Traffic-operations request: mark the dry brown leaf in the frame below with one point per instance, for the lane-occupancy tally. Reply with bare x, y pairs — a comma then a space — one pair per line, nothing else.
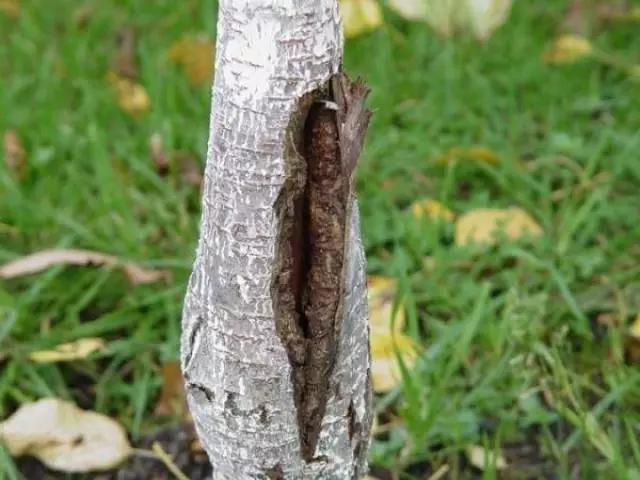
45, 259
13, 150
567, 49
385, 369
190, 169
124, 63
482, 458
483, 225
67, 352
172, 400
583, 17
381, 293
65, 437
195, 54
10, 8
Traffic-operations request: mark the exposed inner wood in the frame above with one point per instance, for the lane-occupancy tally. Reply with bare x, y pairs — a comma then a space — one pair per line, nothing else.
314, 208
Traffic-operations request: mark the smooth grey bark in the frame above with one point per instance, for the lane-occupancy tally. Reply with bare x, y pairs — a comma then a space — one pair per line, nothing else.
269, 53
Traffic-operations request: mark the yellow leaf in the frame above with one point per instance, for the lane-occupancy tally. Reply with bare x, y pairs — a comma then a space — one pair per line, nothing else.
483, 224
482, 459
360, 16
195, 54
632, 343
567, 49
385, 370
483, 17
375, 425
410, 9
10, 7
634, 330
67, 352
444, 16
476, 154
381, 293
432, 209
132, 97
64, 437
634, 71
477, 17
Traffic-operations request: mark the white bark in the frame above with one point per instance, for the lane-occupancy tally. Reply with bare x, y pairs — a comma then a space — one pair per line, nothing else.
269, 53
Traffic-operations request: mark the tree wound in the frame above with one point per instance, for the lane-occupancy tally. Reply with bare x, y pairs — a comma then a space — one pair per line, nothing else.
323, 142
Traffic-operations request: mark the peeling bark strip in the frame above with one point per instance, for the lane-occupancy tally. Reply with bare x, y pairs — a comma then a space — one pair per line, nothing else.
325, 138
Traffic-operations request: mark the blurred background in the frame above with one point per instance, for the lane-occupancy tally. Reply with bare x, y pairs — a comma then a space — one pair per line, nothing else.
499, 201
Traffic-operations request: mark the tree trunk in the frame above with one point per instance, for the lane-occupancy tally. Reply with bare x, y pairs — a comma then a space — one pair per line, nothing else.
238, 368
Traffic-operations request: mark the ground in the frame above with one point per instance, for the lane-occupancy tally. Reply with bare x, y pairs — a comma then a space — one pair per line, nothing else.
524, 346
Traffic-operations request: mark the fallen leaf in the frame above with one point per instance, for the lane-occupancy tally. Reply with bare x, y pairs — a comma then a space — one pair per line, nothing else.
65, 437
360, 16
375, 425
11, 8
381, 293
45, 259
567, 49
195, 54
634, 71
14, 154
448, 17
158, 154
67, 352
632, 342
410, 9
583, 17
433, 209
476, 154
483, 17
634, 330
190, 169
124, 63
385, 370
82, 15
172, 400
484, 459
630, 14
482, 225
132, 97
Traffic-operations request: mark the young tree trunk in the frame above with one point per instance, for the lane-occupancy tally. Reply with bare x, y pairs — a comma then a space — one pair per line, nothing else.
274, 397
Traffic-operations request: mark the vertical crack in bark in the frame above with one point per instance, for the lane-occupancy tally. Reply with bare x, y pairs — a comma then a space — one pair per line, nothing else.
323, 143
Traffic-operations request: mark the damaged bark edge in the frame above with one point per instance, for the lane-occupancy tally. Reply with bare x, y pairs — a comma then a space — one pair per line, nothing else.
323, 142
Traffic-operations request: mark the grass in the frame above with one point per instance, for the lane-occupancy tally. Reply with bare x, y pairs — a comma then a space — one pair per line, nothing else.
514, 357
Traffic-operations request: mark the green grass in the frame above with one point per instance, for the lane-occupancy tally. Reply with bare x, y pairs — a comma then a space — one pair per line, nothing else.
510, 329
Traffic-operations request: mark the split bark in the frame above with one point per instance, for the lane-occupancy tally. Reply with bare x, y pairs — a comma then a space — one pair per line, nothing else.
275, 350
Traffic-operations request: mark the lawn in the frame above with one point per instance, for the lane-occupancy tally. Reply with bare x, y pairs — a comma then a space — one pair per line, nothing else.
525, 351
